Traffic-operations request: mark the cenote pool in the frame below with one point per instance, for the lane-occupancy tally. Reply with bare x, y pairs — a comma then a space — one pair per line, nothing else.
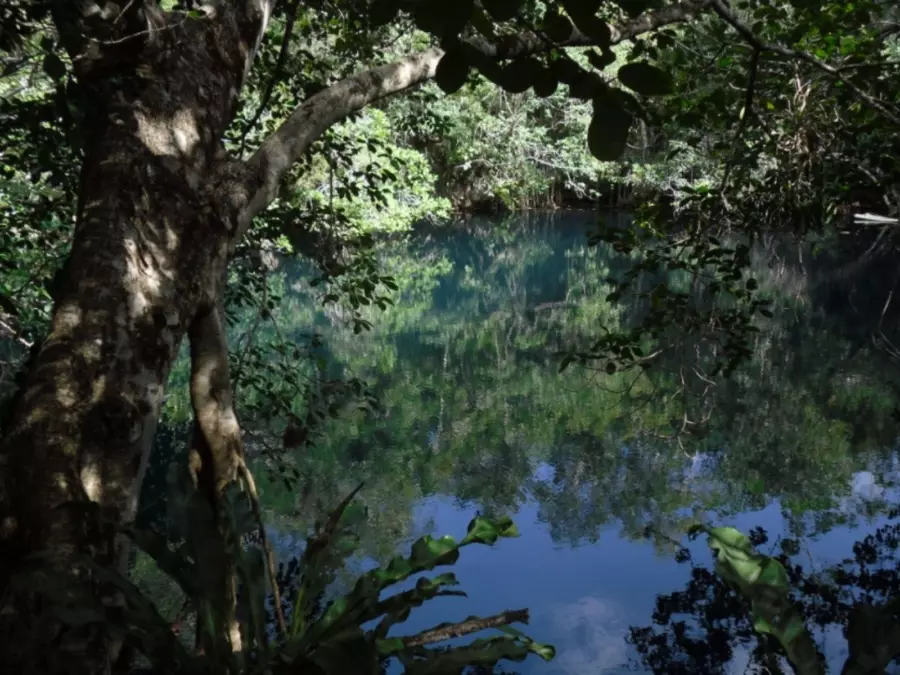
474, 417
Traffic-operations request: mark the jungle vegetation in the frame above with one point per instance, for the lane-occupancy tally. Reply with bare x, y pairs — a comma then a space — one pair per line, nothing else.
161, 159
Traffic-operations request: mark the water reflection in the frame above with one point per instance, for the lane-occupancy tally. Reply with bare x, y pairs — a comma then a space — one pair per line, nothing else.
475, 417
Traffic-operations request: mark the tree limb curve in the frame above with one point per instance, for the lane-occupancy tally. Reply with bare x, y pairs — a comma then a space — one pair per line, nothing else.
286, 145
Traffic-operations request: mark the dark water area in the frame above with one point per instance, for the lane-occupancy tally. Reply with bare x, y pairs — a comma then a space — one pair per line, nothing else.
475, 418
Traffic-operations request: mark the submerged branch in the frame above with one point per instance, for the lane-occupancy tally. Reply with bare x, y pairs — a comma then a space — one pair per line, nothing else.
448, 631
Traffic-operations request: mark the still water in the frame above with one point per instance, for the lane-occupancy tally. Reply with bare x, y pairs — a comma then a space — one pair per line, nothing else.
475, 417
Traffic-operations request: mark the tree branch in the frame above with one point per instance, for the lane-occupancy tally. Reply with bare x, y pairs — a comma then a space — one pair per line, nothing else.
279, 67
283, 148
447, 631
719, 7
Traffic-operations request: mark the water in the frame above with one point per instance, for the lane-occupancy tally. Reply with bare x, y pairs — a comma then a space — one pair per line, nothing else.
476, 419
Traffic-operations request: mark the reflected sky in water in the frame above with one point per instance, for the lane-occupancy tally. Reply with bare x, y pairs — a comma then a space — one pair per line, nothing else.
584, 598
476, 418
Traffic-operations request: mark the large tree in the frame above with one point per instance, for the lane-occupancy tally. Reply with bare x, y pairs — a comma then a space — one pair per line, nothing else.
163, 204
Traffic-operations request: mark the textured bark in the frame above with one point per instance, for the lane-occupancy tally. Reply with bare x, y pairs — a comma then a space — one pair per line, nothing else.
157, 215
217, 449
160, 209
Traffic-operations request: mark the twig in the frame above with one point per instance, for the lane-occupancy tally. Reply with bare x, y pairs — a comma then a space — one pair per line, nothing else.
267, 548
276, 75
719, 7
753, 69
447, 631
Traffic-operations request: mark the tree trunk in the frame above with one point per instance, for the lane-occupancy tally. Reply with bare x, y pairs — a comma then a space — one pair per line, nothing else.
157, 216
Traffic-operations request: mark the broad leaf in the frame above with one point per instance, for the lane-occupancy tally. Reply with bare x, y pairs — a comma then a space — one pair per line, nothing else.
608, 130
645, 79
452, 71
763, 582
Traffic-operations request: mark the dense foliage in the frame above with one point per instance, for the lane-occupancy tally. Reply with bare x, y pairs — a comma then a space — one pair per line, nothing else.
722, 124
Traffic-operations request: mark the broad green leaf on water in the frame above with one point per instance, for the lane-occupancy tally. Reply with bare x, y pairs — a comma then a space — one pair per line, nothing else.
388, 646
546, 652
334, 611
452, 71
608, 130
502, 10
427, 551
399, 568
645, 79
763, 582
487, 531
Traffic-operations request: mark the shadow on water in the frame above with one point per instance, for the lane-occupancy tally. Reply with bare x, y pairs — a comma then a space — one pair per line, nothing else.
475, 417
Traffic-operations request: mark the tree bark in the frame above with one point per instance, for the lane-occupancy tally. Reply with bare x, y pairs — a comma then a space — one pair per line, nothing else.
156, 220
161, 208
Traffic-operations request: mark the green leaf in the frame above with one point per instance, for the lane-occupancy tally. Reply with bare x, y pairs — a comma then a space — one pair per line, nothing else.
519, 75
452, 71
763, 581
557, 27
389, 646
608, 130
645, 79
600, 60
545, 84
426, 551
487, 531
